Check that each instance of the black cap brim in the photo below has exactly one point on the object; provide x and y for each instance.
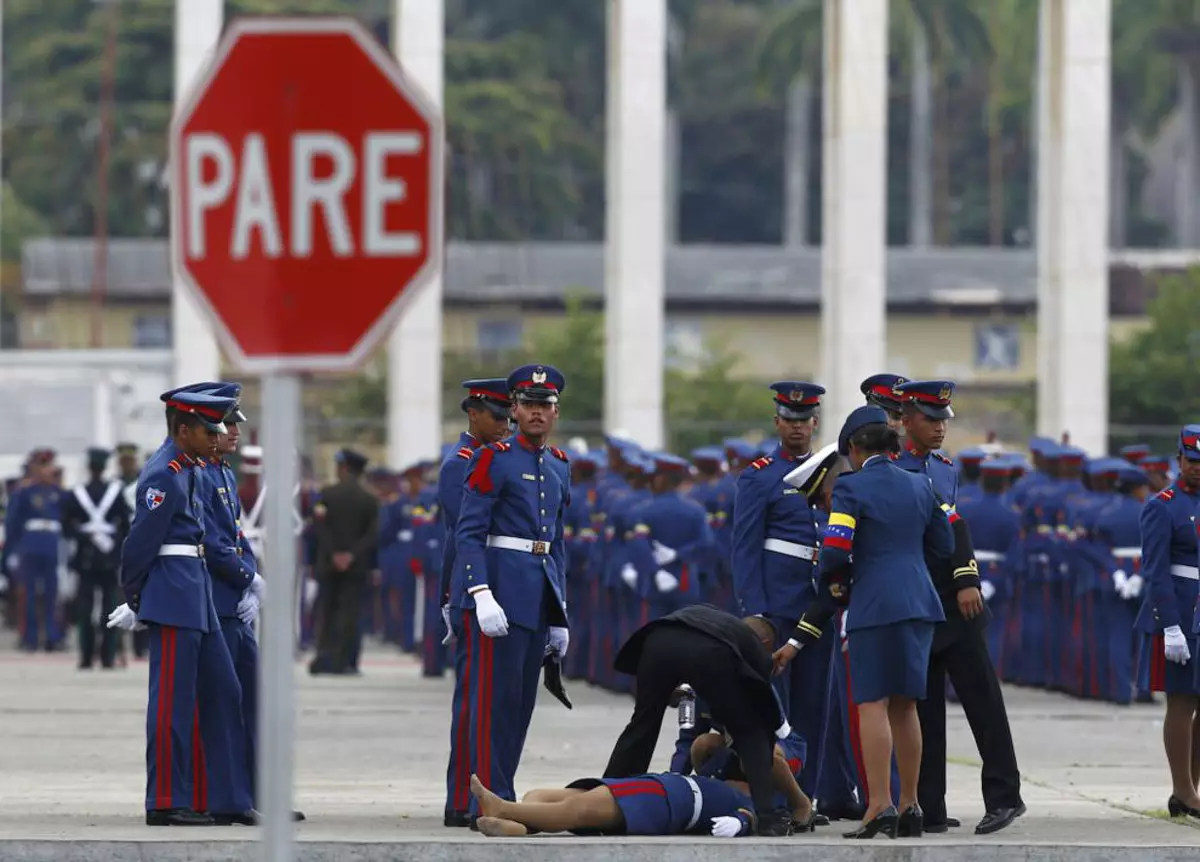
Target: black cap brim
(215, 427)
(891, 405)
(796, 414)
(496, 408)
(933, 411)
(1189, 456)
(235, 415)
(537, 396)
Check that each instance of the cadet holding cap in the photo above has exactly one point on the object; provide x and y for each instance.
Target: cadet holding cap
(1169, 565)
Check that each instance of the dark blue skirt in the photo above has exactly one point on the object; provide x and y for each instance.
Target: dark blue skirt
(890, 661)
(1155, 673)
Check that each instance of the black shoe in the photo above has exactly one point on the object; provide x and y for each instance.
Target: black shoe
(820, 819)
(177, 817)
(457, 819)
(952, 823)
(998, 818)
(885, 823)
(85, 665)
(1177, 808)
(774, 826)
(250, 817)
(809, 825)
(911, 823)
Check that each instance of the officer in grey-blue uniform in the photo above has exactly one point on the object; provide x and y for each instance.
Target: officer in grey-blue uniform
(32, 547)
(507, 588)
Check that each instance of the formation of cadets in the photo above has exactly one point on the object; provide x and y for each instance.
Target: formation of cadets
(510, 558)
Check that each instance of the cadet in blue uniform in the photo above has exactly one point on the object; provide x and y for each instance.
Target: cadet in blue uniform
(33, 530)
(1158, 470)
(891, 607)
(671, 539)
(713, 757)
(775, 534)
(926, 408)
(652, 804)
(507, 590)
(970, 462)
(881, 390)
(488, 407)
(193, 684)
(1169, 565)
(580, 537)
(1118, 528)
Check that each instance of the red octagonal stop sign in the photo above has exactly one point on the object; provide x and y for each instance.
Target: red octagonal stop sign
(306, 193)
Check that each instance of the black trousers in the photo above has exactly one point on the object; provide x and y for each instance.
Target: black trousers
(966, 662)
(340, 604)
(104, 582)
(675, 654)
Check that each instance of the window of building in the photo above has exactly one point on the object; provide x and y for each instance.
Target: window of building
(997, 346)
(152, 331)
(499, 336)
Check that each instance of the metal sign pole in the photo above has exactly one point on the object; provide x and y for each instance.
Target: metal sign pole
(276, 730)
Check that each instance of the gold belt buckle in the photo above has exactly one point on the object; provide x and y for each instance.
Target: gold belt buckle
(540, 549)
(200, 550)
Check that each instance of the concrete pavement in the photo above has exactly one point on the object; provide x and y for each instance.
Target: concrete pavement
(371, 761)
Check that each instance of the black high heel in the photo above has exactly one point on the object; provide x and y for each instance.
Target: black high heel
(911, 823)
(808, 825)
(1176, 807)
(885, 822)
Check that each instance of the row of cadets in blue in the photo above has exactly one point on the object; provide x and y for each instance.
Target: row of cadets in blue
(31, 555)
(1169, 566)
(1055, 500)
(397, 585)
(507, 591)
(193, 684)
(580, 538)
(629, 609)
(774, 550)
(610, 486)
(487, 406)
(930, 398)
(429, 537)
(970, 464)
(671, 540)
(708, 468)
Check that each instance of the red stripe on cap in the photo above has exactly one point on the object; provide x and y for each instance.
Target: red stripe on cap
(927, 398)
(483, 393)
(207, 412)
(787, 402)
(526, 384)
(885, 391)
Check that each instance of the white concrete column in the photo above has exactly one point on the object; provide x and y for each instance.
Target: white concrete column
(854, 191)
(635, 219)
(414, 402)
(1073, 167)
(194, 346)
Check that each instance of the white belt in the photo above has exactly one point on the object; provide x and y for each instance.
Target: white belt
(42, 525)
(791, 549)
(181, 551)
(1190, 572)
(989, 557)
(511, 543)
(697, 801)
(1127, 553)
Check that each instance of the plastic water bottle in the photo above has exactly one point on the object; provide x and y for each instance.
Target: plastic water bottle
(687, 708)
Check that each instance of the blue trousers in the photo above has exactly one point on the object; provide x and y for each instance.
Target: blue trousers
(40, 577)
(1119, 616)
(243, 650)
(195, 738)
(408, 610)
(841, 786)
(433, 654)
(804, 690)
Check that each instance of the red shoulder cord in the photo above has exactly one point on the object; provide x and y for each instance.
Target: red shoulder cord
(480, 479)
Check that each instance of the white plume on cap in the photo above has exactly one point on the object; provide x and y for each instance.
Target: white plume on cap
(804, 475)
(621, 434)
(252, 453)
(578, 445)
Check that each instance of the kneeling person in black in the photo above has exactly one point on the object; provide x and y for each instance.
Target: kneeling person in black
(723, 660)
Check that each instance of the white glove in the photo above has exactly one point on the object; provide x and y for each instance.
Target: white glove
(726, 827)
(311, 588)
(449, 630)
(259, 587)
(248, 608)
(557, 641)
(1120, 579)
(664, 581)
(629, 575)
(405, 535)
(1133, 587)
(988, 589)
(123, 617)
(845, 617)
(662, 554)
(492, 620)
(1175, 645)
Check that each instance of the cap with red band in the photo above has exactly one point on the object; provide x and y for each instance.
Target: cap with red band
(931, 397)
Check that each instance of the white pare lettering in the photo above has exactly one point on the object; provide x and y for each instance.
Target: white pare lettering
(324, 167)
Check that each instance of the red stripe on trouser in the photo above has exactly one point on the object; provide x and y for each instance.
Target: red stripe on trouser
(160, 799)
(685, 580)
(199, 767)
(852, 719)
(1093, 645)
(166, 706)
(635, 788)
(1158, 664)
(462, 778)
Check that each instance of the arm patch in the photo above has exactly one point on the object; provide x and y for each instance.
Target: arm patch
(559, 454)
(465, 453)
(173, 466)
(761, 462)
(945, 459)
(1166, 494)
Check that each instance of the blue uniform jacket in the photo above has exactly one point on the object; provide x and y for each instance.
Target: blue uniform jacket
(1119, 531)
(765, 581)
(937, 466)
(1168, 541)
(888, 519)
(513, 490)
(33, 524)
(168, 590)
(623, 505)
(451, 476)
(681, 525)
(427, 531)
(226, 552)
(995, 530)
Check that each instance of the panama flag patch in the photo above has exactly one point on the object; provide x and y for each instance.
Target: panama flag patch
(154, 498)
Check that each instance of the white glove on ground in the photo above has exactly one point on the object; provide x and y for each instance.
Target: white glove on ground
(1133, 587)
(249, 607)
(124, 618)
(629, 575)
(662, 554)
(1175, 645)
(449, 631)
(557, 640)
(664, 581)
(259, 587)
(726, 827)
(988, 589)
(492, 620)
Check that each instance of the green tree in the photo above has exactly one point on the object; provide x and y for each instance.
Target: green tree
(1152, 376)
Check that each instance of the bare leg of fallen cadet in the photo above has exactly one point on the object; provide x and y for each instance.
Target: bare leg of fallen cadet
(591, 809)
(550, 794)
